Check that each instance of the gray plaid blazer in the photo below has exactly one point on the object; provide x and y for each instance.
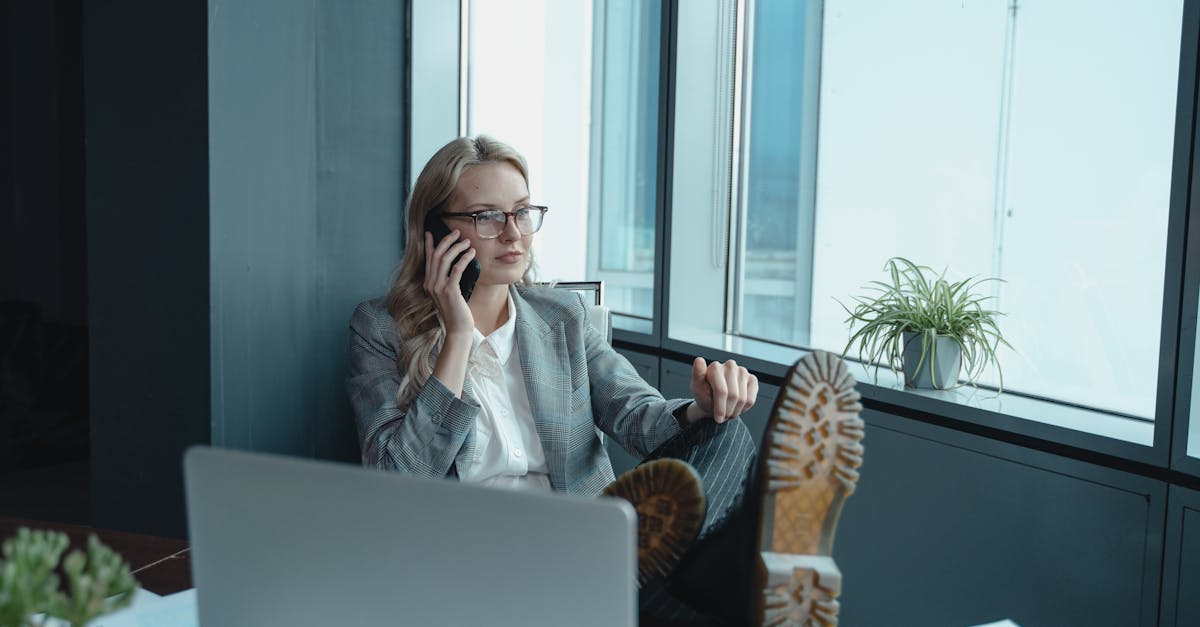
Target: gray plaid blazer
(578, 387)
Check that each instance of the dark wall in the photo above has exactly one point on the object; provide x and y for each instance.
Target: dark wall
(243, 194)
(147, 231)
(43, 267)
(947, 528)
(306, 130)
(1181, 568)
(42, 235)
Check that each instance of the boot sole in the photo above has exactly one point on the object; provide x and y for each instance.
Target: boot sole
(669, 499)
(812, 448)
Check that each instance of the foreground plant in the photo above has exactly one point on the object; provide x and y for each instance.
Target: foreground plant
(98, 582)
(919, 301)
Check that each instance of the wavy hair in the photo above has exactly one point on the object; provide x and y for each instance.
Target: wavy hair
(417, 320)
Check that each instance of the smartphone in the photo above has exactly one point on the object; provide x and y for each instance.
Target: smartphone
(470, 274)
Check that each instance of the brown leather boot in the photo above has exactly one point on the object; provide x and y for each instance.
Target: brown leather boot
(670, 505)
(770, 562)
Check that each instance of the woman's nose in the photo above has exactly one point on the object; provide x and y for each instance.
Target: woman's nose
(510, 233)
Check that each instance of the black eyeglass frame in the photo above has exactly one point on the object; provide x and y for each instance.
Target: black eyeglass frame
(474, 215)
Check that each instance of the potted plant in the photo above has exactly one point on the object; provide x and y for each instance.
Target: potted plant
(97, 582)
(928, 327)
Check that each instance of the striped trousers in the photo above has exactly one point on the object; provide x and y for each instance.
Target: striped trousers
(722, 455)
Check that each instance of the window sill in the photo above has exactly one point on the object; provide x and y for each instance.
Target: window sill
(1089, 429)
(632, 324)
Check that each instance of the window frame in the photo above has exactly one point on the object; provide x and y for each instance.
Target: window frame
(1185, 258)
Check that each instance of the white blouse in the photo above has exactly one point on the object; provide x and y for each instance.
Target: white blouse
(508, 452)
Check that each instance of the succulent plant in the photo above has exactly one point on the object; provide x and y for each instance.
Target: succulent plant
(97, 582)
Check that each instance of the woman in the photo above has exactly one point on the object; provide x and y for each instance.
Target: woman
(512, 387)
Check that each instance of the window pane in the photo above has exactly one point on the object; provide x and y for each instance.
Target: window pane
(625, 135)
(1030, 141)
(527, 85)
(780, 148)
(573, 85)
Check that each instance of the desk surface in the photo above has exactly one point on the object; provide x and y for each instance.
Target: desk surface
(162, 565)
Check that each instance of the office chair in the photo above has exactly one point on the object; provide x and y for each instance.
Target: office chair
(599, 316)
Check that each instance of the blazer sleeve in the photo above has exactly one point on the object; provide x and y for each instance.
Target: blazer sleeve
(625, 407)
(421, 440)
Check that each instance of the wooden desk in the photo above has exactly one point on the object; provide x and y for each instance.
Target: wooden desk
(162, 565)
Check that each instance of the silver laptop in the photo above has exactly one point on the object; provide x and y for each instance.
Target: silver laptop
(284, 541)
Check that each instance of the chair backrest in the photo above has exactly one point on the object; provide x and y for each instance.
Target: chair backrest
(593, 292)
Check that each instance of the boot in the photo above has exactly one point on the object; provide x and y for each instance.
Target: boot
(669, 499)
(769, 562)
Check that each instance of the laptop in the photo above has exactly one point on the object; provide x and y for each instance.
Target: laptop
(285, 541)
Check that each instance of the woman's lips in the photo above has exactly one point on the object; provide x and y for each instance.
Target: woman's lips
(512, 257)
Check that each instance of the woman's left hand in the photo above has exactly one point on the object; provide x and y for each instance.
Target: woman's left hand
(723, 391)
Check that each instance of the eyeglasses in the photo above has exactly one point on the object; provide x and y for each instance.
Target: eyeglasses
(490, 223)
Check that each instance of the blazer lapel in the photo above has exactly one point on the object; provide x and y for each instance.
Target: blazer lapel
(544, 363)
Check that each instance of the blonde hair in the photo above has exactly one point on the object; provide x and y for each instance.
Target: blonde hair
(417, 320)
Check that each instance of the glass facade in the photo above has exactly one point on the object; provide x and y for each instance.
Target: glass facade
(1032, 142)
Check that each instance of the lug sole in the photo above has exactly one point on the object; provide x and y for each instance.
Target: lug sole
(669, 499)
(812, 450)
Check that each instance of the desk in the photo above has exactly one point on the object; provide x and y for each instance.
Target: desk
(162, 565)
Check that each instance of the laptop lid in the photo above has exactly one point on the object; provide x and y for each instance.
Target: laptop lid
(286, 541)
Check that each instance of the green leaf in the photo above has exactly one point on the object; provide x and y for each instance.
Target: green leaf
(98, 582)
(918, 300)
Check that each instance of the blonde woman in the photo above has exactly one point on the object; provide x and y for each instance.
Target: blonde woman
(512, 387)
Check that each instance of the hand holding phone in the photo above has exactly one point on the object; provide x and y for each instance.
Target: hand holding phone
(470, 274)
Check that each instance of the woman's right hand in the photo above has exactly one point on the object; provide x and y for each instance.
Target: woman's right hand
(441, 281)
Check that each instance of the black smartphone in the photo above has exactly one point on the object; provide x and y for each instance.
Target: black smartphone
(470, 274)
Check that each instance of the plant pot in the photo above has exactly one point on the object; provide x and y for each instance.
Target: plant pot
(939, 371)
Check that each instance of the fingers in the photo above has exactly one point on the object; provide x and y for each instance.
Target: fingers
(716, 379)
(456, 271)
(441, 271)
(733, 388)
(751, 392)
(700, 389)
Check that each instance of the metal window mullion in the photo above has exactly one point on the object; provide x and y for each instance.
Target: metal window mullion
(726, 135)
(464, 67)
(743, 85)
(596, 145)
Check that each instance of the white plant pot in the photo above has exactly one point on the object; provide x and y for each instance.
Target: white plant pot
(938, 371)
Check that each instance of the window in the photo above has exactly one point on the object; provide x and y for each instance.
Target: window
(625, 157)
(527, 85)
(1031, 141)
(573, 85)
(780, 156)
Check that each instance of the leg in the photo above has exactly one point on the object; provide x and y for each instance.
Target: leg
(722, 456)
(812, 450)
(710, 458)
(771, 559)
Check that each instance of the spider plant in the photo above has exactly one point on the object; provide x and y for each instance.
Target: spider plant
(919, 301)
